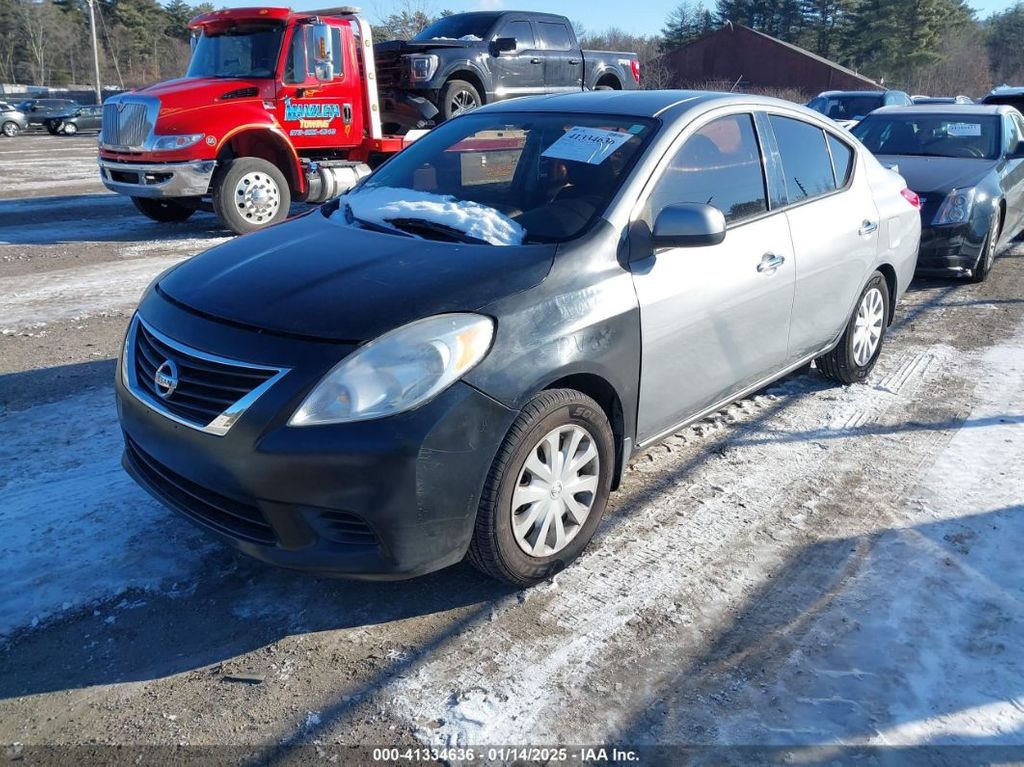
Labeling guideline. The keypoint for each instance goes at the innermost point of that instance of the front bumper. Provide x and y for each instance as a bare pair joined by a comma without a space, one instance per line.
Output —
951,249
391,498
176,179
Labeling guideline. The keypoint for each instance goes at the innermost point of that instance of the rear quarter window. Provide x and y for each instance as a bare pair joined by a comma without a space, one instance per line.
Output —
842,160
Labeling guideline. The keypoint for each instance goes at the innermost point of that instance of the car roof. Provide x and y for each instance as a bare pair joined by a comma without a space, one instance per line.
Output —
852,93
947,109
1007,90
635,103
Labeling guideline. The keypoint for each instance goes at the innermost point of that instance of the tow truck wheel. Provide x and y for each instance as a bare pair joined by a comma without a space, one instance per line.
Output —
162,210
250,194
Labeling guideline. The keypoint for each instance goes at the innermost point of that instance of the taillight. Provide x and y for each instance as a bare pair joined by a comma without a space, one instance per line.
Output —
912,197
635,66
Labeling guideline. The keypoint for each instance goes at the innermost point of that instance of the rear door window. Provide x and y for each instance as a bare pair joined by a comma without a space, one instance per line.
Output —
806,163
719,165
555,36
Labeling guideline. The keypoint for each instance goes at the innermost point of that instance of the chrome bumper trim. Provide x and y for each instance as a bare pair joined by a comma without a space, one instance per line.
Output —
175,179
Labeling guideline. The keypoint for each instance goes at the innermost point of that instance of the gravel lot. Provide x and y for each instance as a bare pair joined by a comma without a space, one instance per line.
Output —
814,565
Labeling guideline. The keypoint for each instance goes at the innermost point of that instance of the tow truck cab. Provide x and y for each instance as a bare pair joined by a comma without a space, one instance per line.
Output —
276,105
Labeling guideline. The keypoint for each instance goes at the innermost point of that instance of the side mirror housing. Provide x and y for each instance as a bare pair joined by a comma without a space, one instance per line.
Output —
323,58
505,45
688,225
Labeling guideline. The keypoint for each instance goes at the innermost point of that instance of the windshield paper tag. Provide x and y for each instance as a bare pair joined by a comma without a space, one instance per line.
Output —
963,130
589,145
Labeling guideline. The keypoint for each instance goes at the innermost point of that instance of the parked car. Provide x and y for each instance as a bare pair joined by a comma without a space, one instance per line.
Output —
850,107
942,100
89,118
39,110
461,354
468,59
967,165
12,120
1008,95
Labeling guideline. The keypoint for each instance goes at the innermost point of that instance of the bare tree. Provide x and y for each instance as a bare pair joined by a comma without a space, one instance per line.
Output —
36,20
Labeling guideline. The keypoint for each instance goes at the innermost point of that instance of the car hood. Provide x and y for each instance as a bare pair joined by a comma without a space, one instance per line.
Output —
323,279
938,174
189,93
395,47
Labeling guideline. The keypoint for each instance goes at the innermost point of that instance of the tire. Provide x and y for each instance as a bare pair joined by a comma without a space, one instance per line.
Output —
10,129
250,193
603,88
164,211
850,362
69,129
458,97
53,128
495,549
987,257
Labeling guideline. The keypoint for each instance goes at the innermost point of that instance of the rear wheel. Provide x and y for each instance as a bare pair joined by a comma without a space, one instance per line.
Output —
547,489
250,193
10,129
165,211
53,128
459,97
987,256
857,351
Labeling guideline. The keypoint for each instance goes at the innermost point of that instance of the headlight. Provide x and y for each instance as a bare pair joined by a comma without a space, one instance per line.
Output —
398,371
956,208
168,143
422,67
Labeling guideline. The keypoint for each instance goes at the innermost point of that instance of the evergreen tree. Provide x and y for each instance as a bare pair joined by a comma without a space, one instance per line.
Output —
686,22
1005,33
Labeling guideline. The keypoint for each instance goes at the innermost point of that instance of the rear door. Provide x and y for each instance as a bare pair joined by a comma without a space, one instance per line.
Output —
563,61
519,72
834,225
714,319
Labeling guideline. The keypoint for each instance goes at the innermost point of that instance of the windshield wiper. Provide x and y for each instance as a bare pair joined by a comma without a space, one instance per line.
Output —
421,225
373,225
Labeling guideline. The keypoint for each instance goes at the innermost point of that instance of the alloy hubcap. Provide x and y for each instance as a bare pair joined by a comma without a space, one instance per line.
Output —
556,491
257,197
10,129
867,332
463,101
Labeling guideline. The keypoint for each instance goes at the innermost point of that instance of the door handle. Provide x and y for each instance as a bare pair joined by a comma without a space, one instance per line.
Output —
574,62
535,61
867,227
770,263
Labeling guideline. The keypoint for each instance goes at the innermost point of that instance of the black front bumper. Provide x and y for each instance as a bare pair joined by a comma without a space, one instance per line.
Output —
391,498
951,249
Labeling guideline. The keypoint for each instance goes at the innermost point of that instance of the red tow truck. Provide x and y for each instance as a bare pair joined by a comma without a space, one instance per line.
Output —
277,105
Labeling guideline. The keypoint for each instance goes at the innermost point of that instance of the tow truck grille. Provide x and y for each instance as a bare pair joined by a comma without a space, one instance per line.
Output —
124,124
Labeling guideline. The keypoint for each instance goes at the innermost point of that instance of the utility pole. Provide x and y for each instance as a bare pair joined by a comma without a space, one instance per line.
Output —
95,52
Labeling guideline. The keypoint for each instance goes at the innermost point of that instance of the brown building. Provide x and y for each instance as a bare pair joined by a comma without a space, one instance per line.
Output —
739,54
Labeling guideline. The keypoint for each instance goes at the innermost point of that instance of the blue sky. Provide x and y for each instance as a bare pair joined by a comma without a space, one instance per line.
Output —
643,16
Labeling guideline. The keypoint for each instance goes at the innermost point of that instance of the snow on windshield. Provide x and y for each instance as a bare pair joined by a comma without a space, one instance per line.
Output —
464,38
382,205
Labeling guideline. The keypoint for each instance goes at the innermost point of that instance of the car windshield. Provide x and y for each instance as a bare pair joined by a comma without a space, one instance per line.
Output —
240,50
848,107
964,135
470,26
501,178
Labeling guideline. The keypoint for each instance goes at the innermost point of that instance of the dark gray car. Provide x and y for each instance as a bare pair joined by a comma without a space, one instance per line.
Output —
12,120
38,111
88,118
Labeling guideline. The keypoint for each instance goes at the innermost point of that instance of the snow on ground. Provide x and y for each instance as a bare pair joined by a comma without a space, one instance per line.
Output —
35,300
382,205
77,530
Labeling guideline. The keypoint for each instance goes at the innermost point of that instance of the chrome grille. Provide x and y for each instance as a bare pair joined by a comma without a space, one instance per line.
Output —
210,393
124,124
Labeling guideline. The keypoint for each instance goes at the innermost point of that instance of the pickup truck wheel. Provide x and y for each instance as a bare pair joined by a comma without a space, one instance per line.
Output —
546,491
165,211
249,194
857,351
10,129
459,97
603,88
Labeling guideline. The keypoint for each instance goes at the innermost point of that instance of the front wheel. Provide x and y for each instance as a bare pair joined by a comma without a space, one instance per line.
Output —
547,489
70,129
987,256
164,211
857,351
53,128
249,194
459,97
10,129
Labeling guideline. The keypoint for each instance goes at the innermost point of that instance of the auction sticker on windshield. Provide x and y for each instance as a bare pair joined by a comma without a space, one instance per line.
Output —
589,145
963,130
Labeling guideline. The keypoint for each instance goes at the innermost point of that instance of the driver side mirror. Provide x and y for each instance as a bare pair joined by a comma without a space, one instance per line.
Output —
323,59
688,225
505,45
